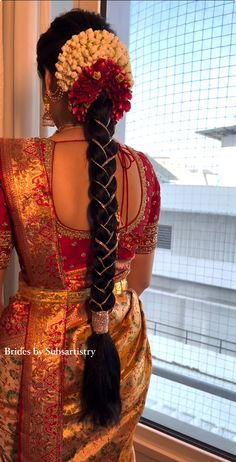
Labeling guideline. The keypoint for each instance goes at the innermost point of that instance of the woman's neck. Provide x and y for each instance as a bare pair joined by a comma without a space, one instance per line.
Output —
69,132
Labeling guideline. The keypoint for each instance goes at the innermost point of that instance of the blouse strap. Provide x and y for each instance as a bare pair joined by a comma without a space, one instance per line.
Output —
126,160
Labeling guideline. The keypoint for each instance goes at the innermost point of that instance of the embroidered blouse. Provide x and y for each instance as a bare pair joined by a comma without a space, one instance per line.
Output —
29,222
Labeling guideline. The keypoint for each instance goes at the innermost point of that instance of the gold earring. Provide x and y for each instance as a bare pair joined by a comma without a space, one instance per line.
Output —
47,120
57,95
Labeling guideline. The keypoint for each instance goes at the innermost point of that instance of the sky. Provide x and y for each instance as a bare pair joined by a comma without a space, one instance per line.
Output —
183,56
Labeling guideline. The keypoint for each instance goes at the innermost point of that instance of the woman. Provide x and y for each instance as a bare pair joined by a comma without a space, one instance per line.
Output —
82,211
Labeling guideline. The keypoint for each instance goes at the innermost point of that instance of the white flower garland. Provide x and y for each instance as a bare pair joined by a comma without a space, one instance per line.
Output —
84,50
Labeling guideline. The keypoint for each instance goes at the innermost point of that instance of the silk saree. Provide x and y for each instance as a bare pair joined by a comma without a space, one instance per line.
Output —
44,327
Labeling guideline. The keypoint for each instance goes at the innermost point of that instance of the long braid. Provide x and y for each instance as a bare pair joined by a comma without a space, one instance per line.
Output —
102,401
101,385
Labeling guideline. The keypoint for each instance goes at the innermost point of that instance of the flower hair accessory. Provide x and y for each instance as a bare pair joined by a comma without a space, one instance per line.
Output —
90,62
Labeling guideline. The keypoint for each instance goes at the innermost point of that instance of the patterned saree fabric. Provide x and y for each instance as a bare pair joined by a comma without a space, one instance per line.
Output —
45,326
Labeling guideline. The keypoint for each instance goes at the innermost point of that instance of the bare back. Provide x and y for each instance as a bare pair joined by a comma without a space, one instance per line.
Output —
70,183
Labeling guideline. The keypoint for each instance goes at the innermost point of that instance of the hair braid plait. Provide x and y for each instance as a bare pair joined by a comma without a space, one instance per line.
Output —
101,391
99,92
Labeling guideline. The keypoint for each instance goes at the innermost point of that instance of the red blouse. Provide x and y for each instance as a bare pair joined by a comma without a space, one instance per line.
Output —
137,237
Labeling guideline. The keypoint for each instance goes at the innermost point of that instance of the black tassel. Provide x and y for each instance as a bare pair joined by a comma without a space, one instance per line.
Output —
101,383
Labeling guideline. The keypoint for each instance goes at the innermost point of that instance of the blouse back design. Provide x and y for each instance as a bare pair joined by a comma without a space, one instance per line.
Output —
52,255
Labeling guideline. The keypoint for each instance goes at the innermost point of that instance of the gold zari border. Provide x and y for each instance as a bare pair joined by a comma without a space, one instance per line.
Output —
60,296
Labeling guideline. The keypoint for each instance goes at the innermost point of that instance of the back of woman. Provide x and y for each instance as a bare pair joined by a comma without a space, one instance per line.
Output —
82,211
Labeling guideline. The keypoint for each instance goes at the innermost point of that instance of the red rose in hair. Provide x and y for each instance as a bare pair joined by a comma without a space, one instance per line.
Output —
103,75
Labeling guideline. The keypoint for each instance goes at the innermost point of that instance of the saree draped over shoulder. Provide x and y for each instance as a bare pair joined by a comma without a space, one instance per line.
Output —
45,326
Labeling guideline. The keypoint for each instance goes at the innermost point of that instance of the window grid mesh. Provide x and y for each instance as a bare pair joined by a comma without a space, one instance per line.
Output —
183,116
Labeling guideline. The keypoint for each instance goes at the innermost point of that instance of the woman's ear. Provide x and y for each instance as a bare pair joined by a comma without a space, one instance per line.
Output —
47,80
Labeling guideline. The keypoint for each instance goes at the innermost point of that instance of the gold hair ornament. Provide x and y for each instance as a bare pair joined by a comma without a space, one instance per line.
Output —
100,321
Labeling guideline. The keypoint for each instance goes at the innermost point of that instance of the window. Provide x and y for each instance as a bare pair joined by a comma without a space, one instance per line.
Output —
183,117
59,7
164,237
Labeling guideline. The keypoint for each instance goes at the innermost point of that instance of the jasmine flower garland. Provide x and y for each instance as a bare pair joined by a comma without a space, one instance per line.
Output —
90,62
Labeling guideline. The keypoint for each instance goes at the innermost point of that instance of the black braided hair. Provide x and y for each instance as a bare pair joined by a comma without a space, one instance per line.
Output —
103,399
101,383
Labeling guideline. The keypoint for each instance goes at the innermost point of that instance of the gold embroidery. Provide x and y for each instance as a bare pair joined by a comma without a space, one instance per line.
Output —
4,224
148,241
77,271
29,202
49,145
6,246
35,294
69,232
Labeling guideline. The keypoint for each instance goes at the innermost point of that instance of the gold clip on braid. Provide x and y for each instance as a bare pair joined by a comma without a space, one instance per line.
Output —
100,321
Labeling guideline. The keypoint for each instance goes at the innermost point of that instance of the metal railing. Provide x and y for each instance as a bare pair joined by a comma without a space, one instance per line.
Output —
192,382
188,336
